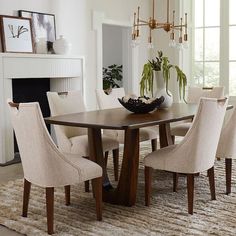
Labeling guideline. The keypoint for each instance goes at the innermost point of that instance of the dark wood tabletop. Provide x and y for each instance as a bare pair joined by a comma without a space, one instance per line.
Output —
120,118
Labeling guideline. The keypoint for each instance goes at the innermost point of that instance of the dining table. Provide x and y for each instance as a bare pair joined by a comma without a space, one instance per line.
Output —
121,119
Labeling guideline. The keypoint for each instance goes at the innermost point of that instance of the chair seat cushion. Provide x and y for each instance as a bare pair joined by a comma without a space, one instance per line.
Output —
86,169
79,145
145,134
180,129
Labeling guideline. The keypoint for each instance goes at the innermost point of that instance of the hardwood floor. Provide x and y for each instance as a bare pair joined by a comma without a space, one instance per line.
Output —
8,173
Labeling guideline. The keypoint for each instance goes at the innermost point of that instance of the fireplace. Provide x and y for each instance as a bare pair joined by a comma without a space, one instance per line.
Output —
62,72
31,90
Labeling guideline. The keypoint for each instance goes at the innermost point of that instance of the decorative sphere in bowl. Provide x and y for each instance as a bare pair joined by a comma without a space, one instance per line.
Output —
141,104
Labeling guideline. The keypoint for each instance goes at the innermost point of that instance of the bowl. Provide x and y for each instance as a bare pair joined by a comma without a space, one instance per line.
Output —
141,104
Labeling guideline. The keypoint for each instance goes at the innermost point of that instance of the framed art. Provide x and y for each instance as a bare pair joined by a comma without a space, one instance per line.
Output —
43,26
16,34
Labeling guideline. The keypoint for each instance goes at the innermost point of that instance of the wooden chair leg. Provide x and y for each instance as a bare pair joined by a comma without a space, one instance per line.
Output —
148,184
86,183
154,144
106,158
190,187
175,181
67,194
228,174
86,186
115,153
173,139
50,208
26,195
97,189
211,177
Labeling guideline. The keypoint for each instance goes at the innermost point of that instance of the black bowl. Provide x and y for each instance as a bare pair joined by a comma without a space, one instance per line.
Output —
138,106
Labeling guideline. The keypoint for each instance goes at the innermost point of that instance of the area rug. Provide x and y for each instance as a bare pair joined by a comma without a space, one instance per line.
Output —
167,214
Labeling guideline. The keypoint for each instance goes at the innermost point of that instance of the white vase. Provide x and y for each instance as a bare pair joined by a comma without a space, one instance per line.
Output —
62,46
161,90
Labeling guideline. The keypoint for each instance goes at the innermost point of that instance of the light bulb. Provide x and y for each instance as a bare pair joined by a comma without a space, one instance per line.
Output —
133,44
150,46
172,43
180,46
185,45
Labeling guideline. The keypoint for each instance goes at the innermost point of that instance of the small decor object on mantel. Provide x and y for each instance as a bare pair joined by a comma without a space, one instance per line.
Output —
160,69
44,29
140,104
16,34
62,46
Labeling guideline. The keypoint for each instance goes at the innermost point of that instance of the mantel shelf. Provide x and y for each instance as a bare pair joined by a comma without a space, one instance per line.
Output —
43,56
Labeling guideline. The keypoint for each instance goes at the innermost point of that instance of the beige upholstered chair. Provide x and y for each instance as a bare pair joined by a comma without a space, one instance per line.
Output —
74,140
110,101
44,165
194,94
227,147
195,153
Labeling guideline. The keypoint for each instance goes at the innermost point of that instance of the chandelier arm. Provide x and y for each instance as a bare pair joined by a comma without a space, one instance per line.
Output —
153,9
141,24
143,21
168,5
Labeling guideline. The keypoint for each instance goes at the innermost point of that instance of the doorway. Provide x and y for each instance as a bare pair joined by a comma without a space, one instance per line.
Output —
117,51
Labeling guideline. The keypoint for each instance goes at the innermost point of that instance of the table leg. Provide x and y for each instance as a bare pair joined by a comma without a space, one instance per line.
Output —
125,193
127,186
165,135
96,153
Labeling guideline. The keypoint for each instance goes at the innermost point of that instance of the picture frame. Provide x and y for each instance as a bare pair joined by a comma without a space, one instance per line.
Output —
43,27
16,34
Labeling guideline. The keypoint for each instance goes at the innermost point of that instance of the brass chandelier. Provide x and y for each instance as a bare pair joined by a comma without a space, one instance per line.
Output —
167,26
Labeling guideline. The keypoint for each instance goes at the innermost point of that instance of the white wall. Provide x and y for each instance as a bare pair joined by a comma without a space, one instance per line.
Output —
10,7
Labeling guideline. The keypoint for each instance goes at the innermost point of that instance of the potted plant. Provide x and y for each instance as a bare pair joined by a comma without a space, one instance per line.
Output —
111,75
161,67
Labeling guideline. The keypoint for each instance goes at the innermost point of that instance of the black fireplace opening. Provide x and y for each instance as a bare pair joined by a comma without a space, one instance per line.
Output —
31,90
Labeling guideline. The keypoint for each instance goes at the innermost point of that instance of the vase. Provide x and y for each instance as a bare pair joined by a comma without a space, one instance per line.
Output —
161,90
61,46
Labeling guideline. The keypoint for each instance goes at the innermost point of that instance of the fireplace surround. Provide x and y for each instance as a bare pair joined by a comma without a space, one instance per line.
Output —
66,72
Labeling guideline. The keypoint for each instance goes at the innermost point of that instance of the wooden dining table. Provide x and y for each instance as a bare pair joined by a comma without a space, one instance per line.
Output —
121,119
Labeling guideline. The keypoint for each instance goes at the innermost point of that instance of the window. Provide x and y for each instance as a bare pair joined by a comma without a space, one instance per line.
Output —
214,57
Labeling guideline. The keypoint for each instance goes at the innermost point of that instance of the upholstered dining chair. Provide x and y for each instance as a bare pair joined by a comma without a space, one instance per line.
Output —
74,139
227,148
194,95
44,165
111,101
195,153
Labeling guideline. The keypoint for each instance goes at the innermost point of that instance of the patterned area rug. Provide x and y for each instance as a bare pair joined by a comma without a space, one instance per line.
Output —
167,214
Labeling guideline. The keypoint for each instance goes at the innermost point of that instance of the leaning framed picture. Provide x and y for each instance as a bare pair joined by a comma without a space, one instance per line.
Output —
16,34
43,25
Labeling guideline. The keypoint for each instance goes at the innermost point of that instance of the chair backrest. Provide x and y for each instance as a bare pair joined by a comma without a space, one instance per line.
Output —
66,103
195,93
227,144
200,143
42,162
109,101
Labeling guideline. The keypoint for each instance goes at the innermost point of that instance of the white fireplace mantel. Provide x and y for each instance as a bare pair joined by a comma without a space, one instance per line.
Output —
66,72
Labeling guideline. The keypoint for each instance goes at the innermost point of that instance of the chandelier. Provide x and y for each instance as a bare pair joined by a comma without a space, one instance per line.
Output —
167,26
